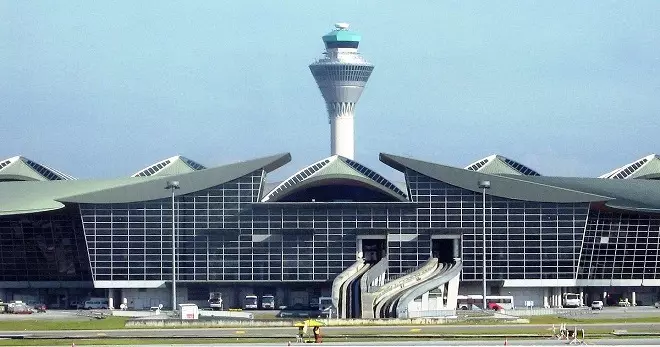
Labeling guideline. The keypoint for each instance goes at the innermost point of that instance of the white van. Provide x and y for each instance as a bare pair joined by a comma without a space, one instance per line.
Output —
96,304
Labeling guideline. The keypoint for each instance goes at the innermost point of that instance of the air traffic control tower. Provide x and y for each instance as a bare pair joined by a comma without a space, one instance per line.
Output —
341,75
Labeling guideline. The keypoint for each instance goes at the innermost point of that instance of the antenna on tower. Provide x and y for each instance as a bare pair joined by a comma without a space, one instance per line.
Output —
341,26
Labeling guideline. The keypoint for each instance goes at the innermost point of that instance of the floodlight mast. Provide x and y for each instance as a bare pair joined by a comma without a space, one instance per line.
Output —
173,185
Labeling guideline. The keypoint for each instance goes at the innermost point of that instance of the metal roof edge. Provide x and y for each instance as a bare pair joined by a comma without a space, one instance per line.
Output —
502,186
153,187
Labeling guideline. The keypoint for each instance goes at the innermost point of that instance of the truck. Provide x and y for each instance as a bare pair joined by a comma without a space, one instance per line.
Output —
215,301
96,304
571,300
268,302
251,302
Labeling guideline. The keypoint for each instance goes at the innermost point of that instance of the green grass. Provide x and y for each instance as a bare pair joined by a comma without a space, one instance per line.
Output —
112,323
109,323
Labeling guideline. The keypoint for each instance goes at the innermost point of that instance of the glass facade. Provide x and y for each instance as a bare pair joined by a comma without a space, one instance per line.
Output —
621,246
341,72
524,240
225,233
43,247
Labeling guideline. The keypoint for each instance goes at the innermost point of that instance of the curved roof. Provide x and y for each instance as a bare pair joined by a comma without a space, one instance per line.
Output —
31,197
171,166
633,195
500,165
20,168
644,168
334,167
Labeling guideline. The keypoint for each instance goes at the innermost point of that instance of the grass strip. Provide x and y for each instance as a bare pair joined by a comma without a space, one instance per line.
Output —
109,323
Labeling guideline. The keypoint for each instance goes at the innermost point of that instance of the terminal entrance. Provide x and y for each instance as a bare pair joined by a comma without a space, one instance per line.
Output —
373,250
445,249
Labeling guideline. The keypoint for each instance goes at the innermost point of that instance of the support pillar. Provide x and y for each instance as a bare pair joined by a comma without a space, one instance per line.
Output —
605,298
553,302
581,298
425,302
634,299
546,302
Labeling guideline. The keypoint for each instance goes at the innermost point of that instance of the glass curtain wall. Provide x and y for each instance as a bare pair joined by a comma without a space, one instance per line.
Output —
45,246
621,246
524,240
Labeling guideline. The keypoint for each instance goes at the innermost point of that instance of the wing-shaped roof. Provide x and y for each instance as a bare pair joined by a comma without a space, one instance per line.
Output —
30,197
335,167
171,166
634,195
499,165
644,168
20,168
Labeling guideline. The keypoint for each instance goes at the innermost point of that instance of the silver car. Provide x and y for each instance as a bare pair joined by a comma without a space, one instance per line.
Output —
597,305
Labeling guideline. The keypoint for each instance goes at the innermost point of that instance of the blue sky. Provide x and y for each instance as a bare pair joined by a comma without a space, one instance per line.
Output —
103,89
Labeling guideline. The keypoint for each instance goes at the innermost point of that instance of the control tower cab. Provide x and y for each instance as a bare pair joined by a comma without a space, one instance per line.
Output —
341,75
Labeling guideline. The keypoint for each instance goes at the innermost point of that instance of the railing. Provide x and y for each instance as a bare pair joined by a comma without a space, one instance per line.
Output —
373,273
564,312
432,313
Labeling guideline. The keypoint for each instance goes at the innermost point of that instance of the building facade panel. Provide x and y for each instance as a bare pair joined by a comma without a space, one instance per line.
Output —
225,234
46,246
524,240
133,241
621,246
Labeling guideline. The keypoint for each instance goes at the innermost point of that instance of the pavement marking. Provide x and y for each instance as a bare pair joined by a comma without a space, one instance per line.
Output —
240,331
416,330
101,334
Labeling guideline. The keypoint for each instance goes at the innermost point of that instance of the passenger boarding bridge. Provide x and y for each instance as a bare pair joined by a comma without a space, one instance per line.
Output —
365,291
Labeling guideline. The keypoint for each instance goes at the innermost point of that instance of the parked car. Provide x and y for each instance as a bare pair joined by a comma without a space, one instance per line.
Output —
657,304
40,308
624,303
597,305
18,307
494,306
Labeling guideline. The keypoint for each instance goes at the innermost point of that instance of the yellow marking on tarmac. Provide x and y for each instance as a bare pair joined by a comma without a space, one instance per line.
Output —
240,331
416,330
101,334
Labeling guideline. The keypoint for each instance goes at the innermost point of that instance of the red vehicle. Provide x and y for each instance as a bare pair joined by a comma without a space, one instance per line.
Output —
40,308
494,306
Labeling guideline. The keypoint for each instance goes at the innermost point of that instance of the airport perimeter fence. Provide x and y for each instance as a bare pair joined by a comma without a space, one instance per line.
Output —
564,312
503,314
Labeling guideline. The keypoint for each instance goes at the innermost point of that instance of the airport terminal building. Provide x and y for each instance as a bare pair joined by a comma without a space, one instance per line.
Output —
238,233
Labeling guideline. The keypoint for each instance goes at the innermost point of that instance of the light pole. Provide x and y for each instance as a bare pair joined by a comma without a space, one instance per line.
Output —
484,185
173,185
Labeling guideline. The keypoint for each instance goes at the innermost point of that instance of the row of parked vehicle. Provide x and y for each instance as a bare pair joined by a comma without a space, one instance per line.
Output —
598,304
19,307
